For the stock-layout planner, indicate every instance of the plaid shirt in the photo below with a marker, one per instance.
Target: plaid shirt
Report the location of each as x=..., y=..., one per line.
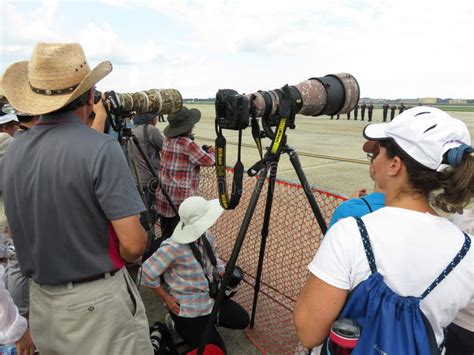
x=181, y=161
x=184, y=275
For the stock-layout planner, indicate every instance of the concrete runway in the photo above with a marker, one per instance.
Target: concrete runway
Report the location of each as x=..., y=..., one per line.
x=316, y=136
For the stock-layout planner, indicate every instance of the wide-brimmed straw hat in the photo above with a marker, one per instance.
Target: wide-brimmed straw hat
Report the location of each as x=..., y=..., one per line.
x=181, y=121
x=56, y=75
x=196, y=216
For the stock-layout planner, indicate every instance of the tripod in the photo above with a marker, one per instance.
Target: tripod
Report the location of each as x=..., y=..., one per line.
x=269, y=163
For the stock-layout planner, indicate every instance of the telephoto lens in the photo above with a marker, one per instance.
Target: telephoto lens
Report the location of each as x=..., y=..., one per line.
x=156, y=101
x=328, y=95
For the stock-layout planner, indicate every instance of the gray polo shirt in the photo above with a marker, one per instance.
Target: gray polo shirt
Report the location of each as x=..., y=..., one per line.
x=63, y=183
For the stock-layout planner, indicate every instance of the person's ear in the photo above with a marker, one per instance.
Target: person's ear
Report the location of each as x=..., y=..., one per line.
x=396, y=166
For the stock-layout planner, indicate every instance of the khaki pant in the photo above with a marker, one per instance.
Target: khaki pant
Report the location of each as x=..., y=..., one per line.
x=106, y=316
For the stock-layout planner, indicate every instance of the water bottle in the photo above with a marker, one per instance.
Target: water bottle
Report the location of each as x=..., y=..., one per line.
x=343, y=337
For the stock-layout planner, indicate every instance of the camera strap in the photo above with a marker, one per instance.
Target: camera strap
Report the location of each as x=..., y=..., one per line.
x=147, y=140
x=286, y=114
x=237, y=182
x=208, y=251
x=256, y=135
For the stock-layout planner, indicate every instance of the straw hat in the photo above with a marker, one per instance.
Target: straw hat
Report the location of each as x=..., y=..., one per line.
x=56, y=75
x=196, y=216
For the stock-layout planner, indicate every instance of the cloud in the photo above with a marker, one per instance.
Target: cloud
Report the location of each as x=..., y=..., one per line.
x=123, y=4
x=394, y=48
x=20, y=30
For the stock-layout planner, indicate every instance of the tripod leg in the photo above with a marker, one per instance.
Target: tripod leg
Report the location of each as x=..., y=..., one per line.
x=234, y=255
x=263, y=243
x=295, y=161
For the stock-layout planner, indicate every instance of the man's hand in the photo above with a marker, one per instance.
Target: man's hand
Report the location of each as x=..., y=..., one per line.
x=99, y=108
x=25, y=346
x=210, y=149
x=100, y=115
x=172, y=304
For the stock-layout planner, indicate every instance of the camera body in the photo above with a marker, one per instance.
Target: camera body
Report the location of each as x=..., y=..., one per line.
x=235, y=279
x=232, y=109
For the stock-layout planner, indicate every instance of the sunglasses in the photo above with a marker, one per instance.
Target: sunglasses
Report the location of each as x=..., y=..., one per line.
x=371, y=156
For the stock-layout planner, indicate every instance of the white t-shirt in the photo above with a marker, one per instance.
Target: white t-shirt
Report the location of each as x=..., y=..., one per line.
x=411, y=249
x=465, y=317
x=12, y=324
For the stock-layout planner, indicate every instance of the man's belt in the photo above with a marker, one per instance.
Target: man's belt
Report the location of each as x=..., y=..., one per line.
x=95, y=277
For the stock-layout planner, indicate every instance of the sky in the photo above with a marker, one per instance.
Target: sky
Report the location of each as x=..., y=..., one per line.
x=394, y=48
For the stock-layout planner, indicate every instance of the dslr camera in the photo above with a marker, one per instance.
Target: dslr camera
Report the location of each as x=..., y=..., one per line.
x=231, y=289
x=329, y=95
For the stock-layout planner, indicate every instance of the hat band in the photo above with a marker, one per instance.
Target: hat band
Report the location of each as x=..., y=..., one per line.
x=53, y=92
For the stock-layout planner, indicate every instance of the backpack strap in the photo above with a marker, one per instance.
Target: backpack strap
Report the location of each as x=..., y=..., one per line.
x=459, y=256
x=147, y=139
x=368, y=205
x=367, y=246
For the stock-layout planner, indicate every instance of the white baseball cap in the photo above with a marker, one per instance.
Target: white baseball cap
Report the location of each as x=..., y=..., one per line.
x=8, y=118
x=424, y=133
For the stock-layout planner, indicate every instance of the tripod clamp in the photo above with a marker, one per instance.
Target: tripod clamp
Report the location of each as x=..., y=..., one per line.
x=287, y=114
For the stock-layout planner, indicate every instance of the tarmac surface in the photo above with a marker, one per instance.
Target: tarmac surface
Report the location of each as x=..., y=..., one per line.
x=330, y=151
x=331, y=155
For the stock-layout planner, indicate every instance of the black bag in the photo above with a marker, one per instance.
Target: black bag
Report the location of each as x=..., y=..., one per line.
x=162, y=340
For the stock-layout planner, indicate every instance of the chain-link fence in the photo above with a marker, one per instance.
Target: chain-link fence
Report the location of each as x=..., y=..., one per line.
x=294, y=237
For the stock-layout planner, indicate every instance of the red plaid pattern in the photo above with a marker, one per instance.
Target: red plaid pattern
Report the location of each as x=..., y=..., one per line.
x=181, y=161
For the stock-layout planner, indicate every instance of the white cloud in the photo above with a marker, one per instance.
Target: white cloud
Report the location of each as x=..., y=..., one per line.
x=19, y=28
x=394, y=48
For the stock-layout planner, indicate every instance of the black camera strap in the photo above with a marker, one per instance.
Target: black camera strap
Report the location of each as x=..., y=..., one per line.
x=256, y=135
x=208, y=251
x=221, y=172
x=147, y=139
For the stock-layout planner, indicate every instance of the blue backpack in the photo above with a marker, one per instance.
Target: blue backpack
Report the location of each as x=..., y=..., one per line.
x=391, y=324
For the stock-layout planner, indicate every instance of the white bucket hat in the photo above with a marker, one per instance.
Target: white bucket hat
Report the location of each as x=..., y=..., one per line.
x=9, y=117
x=424, y=133
x=196, y=216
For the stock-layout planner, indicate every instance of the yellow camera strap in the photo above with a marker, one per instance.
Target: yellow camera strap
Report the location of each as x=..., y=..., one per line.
x=237, y=182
